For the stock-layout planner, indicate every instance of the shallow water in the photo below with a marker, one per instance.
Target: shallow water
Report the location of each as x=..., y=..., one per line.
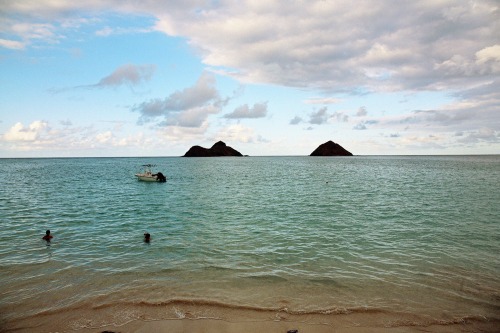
x=413, y=234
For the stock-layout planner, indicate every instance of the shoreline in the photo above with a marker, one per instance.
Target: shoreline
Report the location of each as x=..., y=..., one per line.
x=212, y=318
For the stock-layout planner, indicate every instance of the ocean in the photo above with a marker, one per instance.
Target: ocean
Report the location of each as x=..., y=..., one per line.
x=412, y=237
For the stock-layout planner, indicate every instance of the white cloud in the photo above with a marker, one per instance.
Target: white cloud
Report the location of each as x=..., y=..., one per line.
x=21, y=34
x=182, y=135
x=40, y=135
x=489, y=59
x=425, y=139
x=326, y=100
x=19, y=133
x=12, y=44
x=106, y=31
x=109, y=139
x=489, y=53
x=104, y=137
x=237, y=133
x=43, y=31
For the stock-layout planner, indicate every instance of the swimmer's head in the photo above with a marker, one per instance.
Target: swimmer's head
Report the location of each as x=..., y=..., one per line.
x=47, y=232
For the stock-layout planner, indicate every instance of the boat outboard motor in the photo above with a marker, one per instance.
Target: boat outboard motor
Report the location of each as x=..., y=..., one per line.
x=160, y=177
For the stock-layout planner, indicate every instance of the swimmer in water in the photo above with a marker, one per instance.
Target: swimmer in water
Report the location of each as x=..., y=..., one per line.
x=147, y=237
x=47, y=236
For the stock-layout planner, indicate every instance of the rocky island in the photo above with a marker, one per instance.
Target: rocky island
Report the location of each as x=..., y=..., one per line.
x=218, y=149
x=330, y=148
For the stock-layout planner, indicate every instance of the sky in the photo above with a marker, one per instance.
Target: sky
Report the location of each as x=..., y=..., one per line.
x=153, y=78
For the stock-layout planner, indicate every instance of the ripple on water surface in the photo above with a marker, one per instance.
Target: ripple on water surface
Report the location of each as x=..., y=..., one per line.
x=312, y=233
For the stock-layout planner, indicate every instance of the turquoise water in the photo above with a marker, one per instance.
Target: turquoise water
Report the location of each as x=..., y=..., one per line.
x=415, y=234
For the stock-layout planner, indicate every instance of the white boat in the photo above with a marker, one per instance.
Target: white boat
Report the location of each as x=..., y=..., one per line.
x=149, y=176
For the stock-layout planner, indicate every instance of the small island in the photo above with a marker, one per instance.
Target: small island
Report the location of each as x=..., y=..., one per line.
x=218, y=149
x=330, y=148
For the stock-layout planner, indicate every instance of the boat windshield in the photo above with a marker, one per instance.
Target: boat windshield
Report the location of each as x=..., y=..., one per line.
x=147, y=168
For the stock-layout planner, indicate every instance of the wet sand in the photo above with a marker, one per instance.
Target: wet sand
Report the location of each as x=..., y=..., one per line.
x=218, y=326
x=238, y=320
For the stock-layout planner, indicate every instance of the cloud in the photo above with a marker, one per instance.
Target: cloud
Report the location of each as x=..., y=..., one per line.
x=259, y=110
x=237, y=133
x=104, y=32
x=319, y=117
x=361, y=112
x=341, y=45
x=108, y=138
x=484, y=134
x=193, y=117
x=31, y=133
x=322, y=117
x=468, y=122
x=296, y=120
x=324, y=45
x=183, y=135
x=21, y=34
x=340, y=117
x=474, y=108
x=28, y=31
x=128, y=74
x=41, y=136
x=326, y=100
x=362, y=125
x=12, y=44
x=489, y=59
x=66, y=122
x=189, y=107
x=424, y=141
x=202, y=92
x=108, y=31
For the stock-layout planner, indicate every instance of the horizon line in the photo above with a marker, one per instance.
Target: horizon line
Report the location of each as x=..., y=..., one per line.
x=176, y=156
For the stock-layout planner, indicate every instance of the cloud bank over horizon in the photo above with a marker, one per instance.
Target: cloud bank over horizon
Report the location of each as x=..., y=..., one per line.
x=341, y=61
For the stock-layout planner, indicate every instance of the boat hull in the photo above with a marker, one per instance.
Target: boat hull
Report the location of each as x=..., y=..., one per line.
x=146, y=178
